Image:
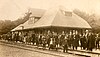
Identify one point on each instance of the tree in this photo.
(8, 25)
(91, 19)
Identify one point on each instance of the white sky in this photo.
(13, 9)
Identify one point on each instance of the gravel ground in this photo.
(18, 51)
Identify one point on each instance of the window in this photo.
(68, 13)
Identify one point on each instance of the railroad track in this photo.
(57, 54)
(75, 52)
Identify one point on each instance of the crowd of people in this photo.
(54, 40)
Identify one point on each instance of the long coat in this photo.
(91, 41)
(62, 39)
(33, 38)
(70, 40)
(56, 39)
(83, 41)
(76, 40)
(65, 43)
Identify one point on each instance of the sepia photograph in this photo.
(49, 28)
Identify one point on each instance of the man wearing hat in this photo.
(65, 45)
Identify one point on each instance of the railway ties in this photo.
(70, 51)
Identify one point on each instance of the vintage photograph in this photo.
(49, 28)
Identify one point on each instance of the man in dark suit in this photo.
(65, 45)
(91, 41)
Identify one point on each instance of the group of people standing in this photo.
(86, 41)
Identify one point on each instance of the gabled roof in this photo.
(57, 17)
(24, 25)
(18, 28)
(37, 12)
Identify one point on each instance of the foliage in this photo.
(8, 25)
(92, 19)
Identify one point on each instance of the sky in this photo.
(14, 9)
